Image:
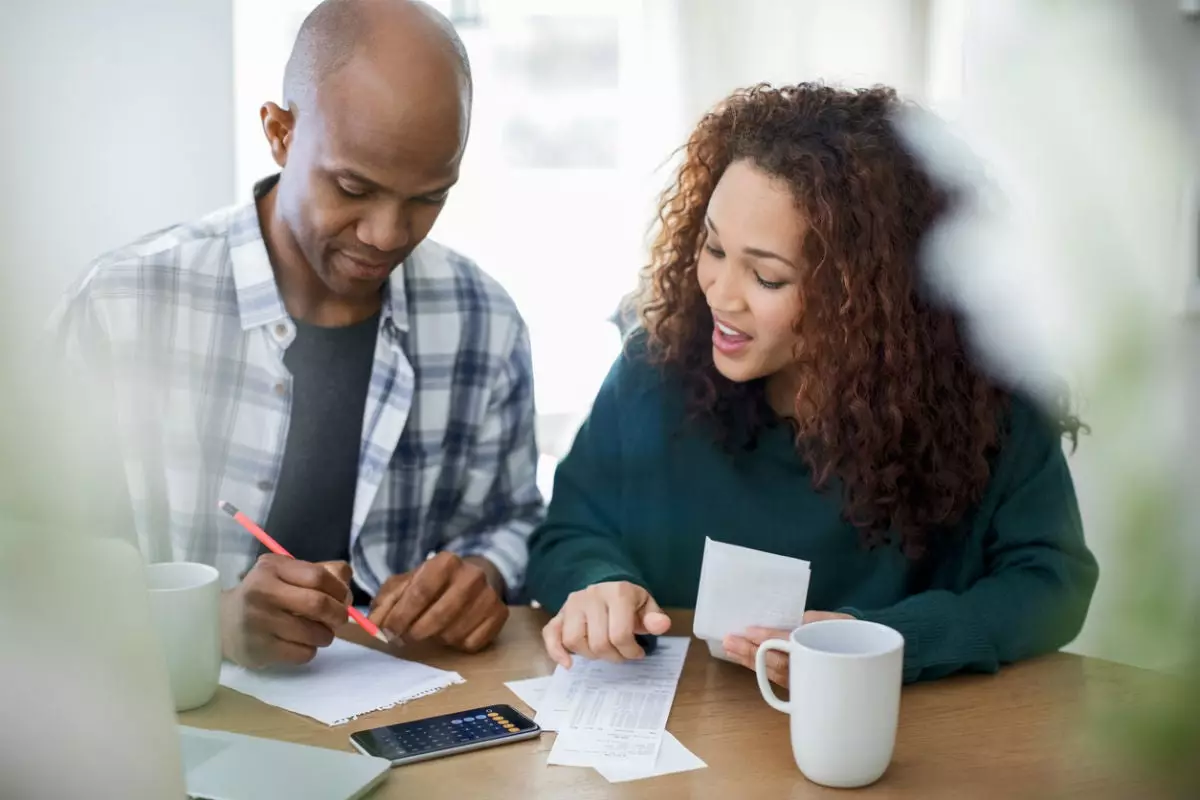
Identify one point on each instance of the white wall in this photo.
(116, 120)
(727, 45)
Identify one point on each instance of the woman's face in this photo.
(749, 271)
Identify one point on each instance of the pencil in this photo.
(275, 547)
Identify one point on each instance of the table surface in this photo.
(1023, 732)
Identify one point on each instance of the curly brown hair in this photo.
(889, 405)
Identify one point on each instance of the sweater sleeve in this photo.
(1038, 581)
(580, 541)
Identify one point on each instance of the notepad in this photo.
(344, 681)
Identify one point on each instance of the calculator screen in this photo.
(447, 731)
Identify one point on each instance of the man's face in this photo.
(366, 173)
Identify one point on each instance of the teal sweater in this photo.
(641, 489)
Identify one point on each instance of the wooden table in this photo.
(1016, 734)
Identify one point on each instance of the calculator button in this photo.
(456, 722)
(480, 716)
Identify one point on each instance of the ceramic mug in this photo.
(844, 677)
(185, 607)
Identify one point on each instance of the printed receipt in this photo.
(607, 713)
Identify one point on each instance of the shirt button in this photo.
(265, 485)
(280, 331)
(280, 389)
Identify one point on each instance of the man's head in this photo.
(378, 97)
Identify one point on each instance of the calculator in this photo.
(434, 737)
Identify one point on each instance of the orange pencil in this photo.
(275, 547)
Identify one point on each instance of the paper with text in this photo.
(608, 712)
(344, 681)
(741, 588)
(672, 755)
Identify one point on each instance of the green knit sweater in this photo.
(641, 489)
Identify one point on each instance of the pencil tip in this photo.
(228, 508)
(381, 636)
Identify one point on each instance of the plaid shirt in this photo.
(188, 330)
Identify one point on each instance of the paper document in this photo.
(672, 755)
(606, 712)
(344, 681)
(530, 690)
(741, 588)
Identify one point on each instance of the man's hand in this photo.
(743, 649)
(600, 622)
(283, 611)
(459, 601)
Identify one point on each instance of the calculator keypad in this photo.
(445, 732)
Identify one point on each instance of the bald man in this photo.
(312, 359)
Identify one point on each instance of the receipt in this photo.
(606, 713)
(672, 755)
(741, 587)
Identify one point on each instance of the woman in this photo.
(795, 391)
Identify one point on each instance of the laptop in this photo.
(229, 766)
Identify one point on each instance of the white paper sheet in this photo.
(658, 672)
(344, 681)
(741, 588)
(672, 757)
(600, 748)
(530, 690)
(607, 712)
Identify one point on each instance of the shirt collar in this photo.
(258, 298)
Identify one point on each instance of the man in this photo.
(364, 394)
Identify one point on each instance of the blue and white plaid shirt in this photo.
(189, 329)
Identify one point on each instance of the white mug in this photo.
(844, 676)
(185, 606)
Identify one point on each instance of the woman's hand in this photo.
(742, 649)
(600, 621)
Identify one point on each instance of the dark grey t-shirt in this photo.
(314, 500)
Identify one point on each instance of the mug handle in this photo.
(760, 672)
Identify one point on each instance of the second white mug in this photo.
(185, 606)
(845, 677)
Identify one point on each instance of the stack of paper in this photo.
(613, 716)
(344, 681)
(742, 588)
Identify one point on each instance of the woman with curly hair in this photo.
(794, 389)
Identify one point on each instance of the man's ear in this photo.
(279, 126)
